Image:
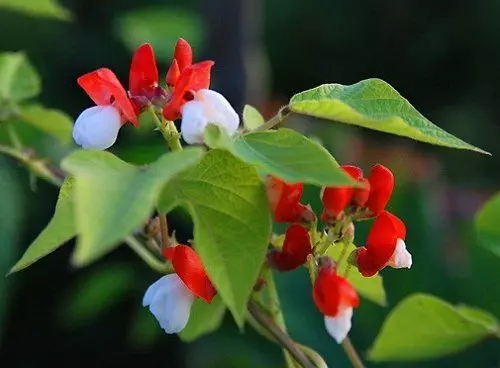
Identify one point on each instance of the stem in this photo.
(342, 253)
(164, 230)
(275, 120)
(352, 353)
(147, 257)
(283, 339)
(13, 136)
(168, 130)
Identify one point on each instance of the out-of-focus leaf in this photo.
(423, 327)
(59, 230)
(205, 318)
(232, 223)
(373, 104)
(372, 288)
(486, 224)
(50, 121)
(160, 26)
(18, 79)
(96, 293)
(112, 197)
(39, 8)
(252, 118)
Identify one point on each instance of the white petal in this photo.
(338, 327)
(401, 258)
(218, 110)
(97, 127)
(170, 302)
(193, 122)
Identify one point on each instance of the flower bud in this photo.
(97, 127)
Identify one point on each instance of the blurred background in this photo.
(443, 56)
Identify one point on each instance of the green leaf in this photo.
(372, 288)
(50, 121)
(113, 198)
(18, 79)
(291, 156)
(60, 229)
(41, 8)
(486, 223)
(232, 223)
(217, 137)
(424, 327)
(204, 319)
(252, 118)
(373, 104)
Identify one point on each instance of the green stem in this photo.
(275, 120)
(163, 230)
(168, 130)
(352, 354)
(342, 253)
(147, 257)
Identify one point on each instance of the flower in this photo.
(335, 298)
(97, 127)
(207, 107)
(284, 199)
(170, 298)
(335, 199)
(381, 185)
(385, 246)
(296, 248)
(185, 79)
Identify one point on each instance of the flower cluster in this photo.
(334, 296)
(185, 96)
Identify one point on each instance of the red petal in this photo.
(296, 248)
(284, 199)
(188, 266)
(331, 292)
(104, 88)
(173, 73)
(200, 75)
(360, 195)
(143, 77)
(381, 243)
(355, 172)
(183, 54)
(381, 183)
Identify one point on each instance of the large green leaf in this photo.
(112, 197)
(60, 229)
(204, 318)
(486, 224)
(50, 121)
(232, 223)
(372, 288)
(41, 8)
(291, 156)
(373, 104)
(424, 327)
(18, 79)
(252, 118)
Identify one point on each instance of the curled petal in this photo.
(104, 88)
(360, 195)
(97, 127)
(332, 292)
(143, 76)
(401, 258)
(170, 302)
(335, 199)
(193, 122)
(183, 54)
(381, 186)
(218, 110)
(188, 266)
(296, 248)
(284, 199)
(173, 73)
(339, 326)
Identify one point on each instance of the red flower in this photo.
(284, 199)
(104, 88)
(335, 199)
(332, 293)
(381, 185)
(143, 76)
(185, 79)
(296, 248)
(189, 268)
(384, 246)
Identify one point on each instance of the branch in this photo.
(283, 339)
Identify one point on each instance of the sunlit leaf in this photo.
(486, 224)
(50, 121)
(39, 8)
(205, 318)
(18, 79)
(252, 118)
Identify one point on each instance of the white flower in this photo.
(207, 107)
(97, 127)
(338, 327)
(170, 302)
(401, 258)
